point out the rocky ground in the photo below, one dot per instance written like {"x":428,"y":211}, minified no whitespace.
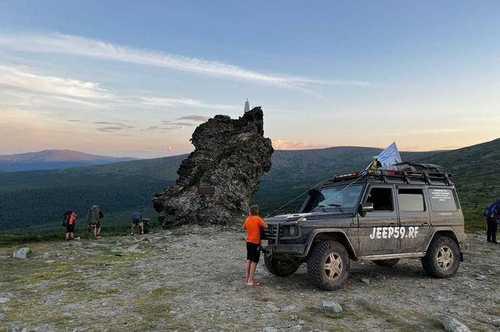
{"x":193,"y":280}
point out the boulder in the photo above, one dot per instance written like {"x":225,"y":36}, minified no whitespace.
{"x":331,"y":308}
{"x":217,"y":181}
{"x":22,"y":253}
{"x":451,"y":324}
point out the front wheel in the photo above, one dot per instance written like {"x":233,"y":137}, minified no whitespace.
{"x":328,"y":265}
{"x":443,"y":257}
{"x":281,"y":267}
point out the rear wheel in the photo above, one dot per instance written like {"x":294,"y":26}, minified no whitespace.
{"x":443,"y":257}
{"x":328,"y":266}
{"x":281,"y":266}
{"x":387,"y":262}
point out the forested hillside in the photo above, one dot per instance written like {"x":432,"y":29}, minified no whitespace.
{"x":476,"y":172}
{"x":52,"y":159}
{"x":36,"y":200}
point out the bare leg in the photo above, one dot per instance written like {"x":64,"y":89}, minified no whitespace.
{"x":72,"y":236}
{"x":247,"y":271}
{"x":251,"y":275}
{"x":142,"y":228}
{"x":67,"y":236}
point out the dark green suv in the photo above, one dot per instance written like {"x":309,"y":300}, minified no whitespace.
{"x":409,"y":211}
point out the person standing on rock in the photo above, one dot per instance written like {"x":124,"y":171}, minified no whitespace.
{"x":253,"y":225}
{"x":492,"y":215}
{"x":95,"y":218}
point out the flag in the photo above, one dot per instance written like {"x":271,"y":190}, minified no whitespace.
{"x":390,"y":156}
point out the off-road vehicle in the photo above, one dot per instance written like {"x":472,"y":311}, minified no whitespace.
{"x":409,"y":211}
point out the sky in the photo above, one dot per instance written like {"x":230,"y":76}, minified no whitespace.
{"x":135,"y":78}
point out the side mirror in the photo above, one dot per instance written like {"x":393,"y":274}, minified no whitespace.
{"x":364,"y":208}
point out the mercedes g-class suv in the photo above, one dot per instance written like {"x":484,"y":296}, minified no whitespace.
{"x":408,"y":211}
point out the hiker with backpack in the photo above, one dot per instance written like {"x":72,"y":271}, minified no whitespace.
{"x":69,"y":221}
{"x":137,"y":223}
{"x":95,"y":218}
{"x":492,"y":216}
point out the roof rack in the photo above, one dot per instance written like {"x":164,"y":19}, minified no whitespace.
{"x":414,"y":173}
{"x":407,"y":172}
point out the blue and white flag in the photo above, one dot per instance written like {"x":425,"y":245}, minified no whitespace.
{"x":390,"y":156}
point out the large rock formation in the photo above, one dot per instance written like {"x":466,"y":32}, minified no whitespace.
{"x":218,"y":180}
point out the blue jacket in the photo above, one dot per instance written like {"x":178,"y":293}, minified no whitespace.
{"x":493,"y":211}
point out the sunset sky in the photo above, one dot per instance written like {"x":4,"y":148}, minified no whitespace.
{"x":134,"y":78}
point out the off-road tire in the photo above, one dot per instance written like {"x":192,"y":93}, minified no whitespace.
{"x":280,"y":267}
{"x":443,"y":257}
{"x":334,"y":255}
{"x":387,"y":262}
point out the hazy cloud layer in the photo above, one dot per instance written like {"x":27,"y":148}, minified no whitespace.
{"x":281,"y":144}
{"x":26,"y":81}
{"x":112,"y":127}
{"x":173,"y":102}
{"x":55,"y":92}
{"x":80,"y":46}
{"x":194,"y":118}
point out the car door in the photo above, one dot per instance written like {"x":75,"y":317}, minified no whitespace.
{"x":414,"y":218}
{"x":376,"y":228}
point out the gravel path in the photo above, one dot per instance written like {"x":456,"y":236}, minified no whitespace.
{"x":192,"y":279}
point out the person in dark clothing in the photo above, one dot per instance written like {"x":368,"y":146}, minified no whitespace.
{"x":492,"y":215}
{"x":95,"y":218}
{"x":137,"y":223}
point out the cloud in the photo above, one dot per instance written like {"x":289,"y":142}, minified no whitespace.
{"x":179,"y":123}
{"x":194,"y":118}
{"x":280,"y":144}
{"x":22,"y":84}
{"x":80,"y":46}
{"x":111,"y":127}
{"x":75,"y":90}
{"x":183,"y":102}
{"x":165,"y":127}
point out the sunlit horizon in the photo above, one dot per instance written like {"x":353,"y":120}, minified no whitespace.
{"x":423,"y":75}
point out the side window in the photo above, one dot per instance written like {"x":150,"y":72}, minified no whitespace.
{"x":411,"y":200}
{"x":381,"y":199}
{"x":442,"y":200}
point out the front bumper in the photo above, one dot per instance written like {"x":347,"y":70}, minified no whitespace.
{"x":285,"y":249}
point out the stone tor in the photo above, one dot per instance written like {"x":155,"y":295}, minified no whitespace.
{"x":218,"y":179}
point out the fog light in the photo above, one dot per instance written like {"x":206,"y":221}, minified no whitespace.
{"x":293,"y":231}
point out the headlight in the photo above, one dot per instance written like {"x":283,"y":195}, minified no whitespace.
{"x":290,"y":231}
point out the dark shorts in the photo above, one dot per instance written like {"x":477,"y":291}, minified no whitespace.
{"x":70,"y":228}
{"x":253,"y":252}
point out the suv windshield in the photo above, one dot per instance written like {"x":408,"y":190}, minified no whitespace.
{"x":341,"y":198}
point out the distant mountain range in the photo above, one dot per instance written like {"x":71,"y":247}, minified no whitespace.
{"x":52,"y":159}
{"x":36,"y":200}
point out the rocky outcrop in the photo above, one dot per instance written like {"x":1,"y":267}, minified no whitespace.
{"x":219,"y":178}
